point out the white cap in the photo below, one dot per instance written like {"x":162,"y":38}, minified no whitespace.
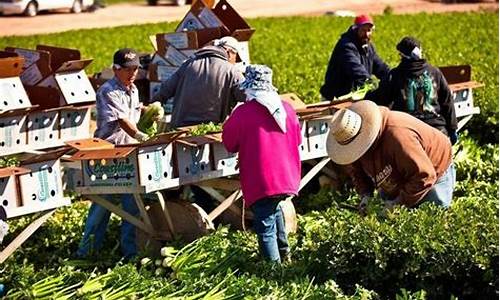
{"x":228,"y":42}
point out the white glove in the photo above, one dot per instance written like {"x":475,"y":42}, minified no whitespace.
{"x":4,"y":229}
{"x":363,"y":204}
{"x":141,"y":136}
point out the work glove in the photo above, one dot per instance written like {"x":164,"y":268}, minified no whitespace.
{"x":363,"y":204}
{"x":453,"y":137}
{"x":141,"y":136}
{"x":4,"y":229}
{"x":390,"y":204}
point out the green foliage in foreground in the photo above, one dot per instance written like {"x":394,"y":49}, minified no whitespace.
{"x":337,"y":254}
{"x":298,"y":49}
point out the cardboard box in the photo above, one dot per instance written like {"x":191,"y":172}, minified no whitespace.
{"x":43,"y":129}
{"x":317,"y":133}
{"x":223,"y":160}
{"x":154,"y":88}
{"x":303,"y":147}
{"x":41,"y":188}
{"x":206,"y":16}
{"x":204,"y":36}
{"x":159,"y":60}
{"x":74,"y":122}
{"x":10,"y":199}
{"x":13,"y":133}
{"x":71,"y":174}
{"x":179,"y":40}
{"x":12,"y":93}
{"x":189,"y":23}
{"x":137,"y":168}
{"x":222,"y":16}
{"x":461,"y":86}
{"x":36,"y":64}
{"x":51,"y":125}
{"x":173,"y":56}
{"x":61,"y":69}
{"x":14,"y":104}
{"x":235,"y":24}
{"x":160,"y":73}
{"x":72,"y":82}
{"x":193,"y":156}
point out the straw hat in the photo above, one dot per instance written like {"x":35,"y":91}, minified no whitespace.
{"x":353,"y":131}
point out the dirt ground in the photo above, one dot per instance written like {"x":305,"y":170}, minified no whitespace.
{"x":140,"y":13}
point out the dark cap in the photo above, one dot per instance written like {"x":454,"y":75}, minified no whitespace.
{"x":409,"y":47}
{"x":126,"y":57}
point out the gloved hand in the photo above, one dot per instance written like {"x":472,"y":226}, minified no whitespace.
{"x":4,"y":229}
{"x":453,"y":137}
{"x":141,"y":136}
{"x":363,"y":204}
{"x":390,"y":204}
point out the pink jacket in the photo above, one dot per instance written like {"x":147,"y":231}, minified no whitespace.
{"x":268,"y":158}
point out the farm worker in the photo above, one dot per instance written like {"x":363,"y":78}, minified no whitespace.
{"x":118,"y":110}
{"x":419,"y":89}
{"x":353,"y":60}
{"x":205,"y":87}
{"x":406,"y":160}
{"x":265,"y":132}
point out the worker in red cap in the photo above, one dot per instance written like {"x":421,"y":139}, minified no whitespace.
{"x":353,"y":60}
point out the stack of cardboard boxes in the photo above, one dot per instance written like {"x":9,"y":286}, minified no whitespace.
{"x":53,"y":103}
{"x":201,"y":25}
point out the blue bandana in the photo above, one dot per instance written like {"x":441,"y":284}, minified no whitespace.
{"x":258,"y":77}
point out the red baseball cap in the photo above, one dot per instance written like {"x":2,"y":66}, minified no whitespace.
{"x":363,"y":19}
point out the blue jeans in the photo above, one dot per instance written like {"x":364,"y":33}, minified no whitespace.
{"x":97,"y":221}
{"x":269,"y":224}
{"x":442,"y":192}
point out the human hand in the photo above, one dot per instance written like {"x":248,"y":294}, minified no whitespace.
{"x":363,"y":204}
{"x":390,"y":204}
{"x":141,"y":136}
{"x":453,"y":137}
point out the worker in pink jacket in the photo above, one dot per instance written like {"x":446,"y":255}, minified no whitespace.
{"x":265,"y":133}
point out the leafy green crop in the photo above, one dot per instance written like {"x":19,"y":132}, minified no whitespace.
{"x":147,"y":123}
{"x":205,"y":128}
{"x":9,"y":162}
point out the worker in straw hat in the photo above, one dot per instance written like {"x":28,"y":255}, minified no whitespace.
{"x":353,"y":60}
{"x":406,"y":160}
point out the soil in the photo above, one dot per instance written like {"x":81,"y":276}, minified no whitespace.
{"x":141,"y":13}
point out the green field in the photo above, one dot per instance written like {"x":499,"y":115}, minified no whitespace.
{"x":414,"y":254}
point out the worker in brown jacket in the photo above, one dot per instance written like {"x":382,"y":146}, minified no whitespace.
{"x":406,"y":160}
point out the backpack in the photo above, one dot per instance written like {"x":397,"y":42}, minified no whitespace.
{"x":419,"y":93}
